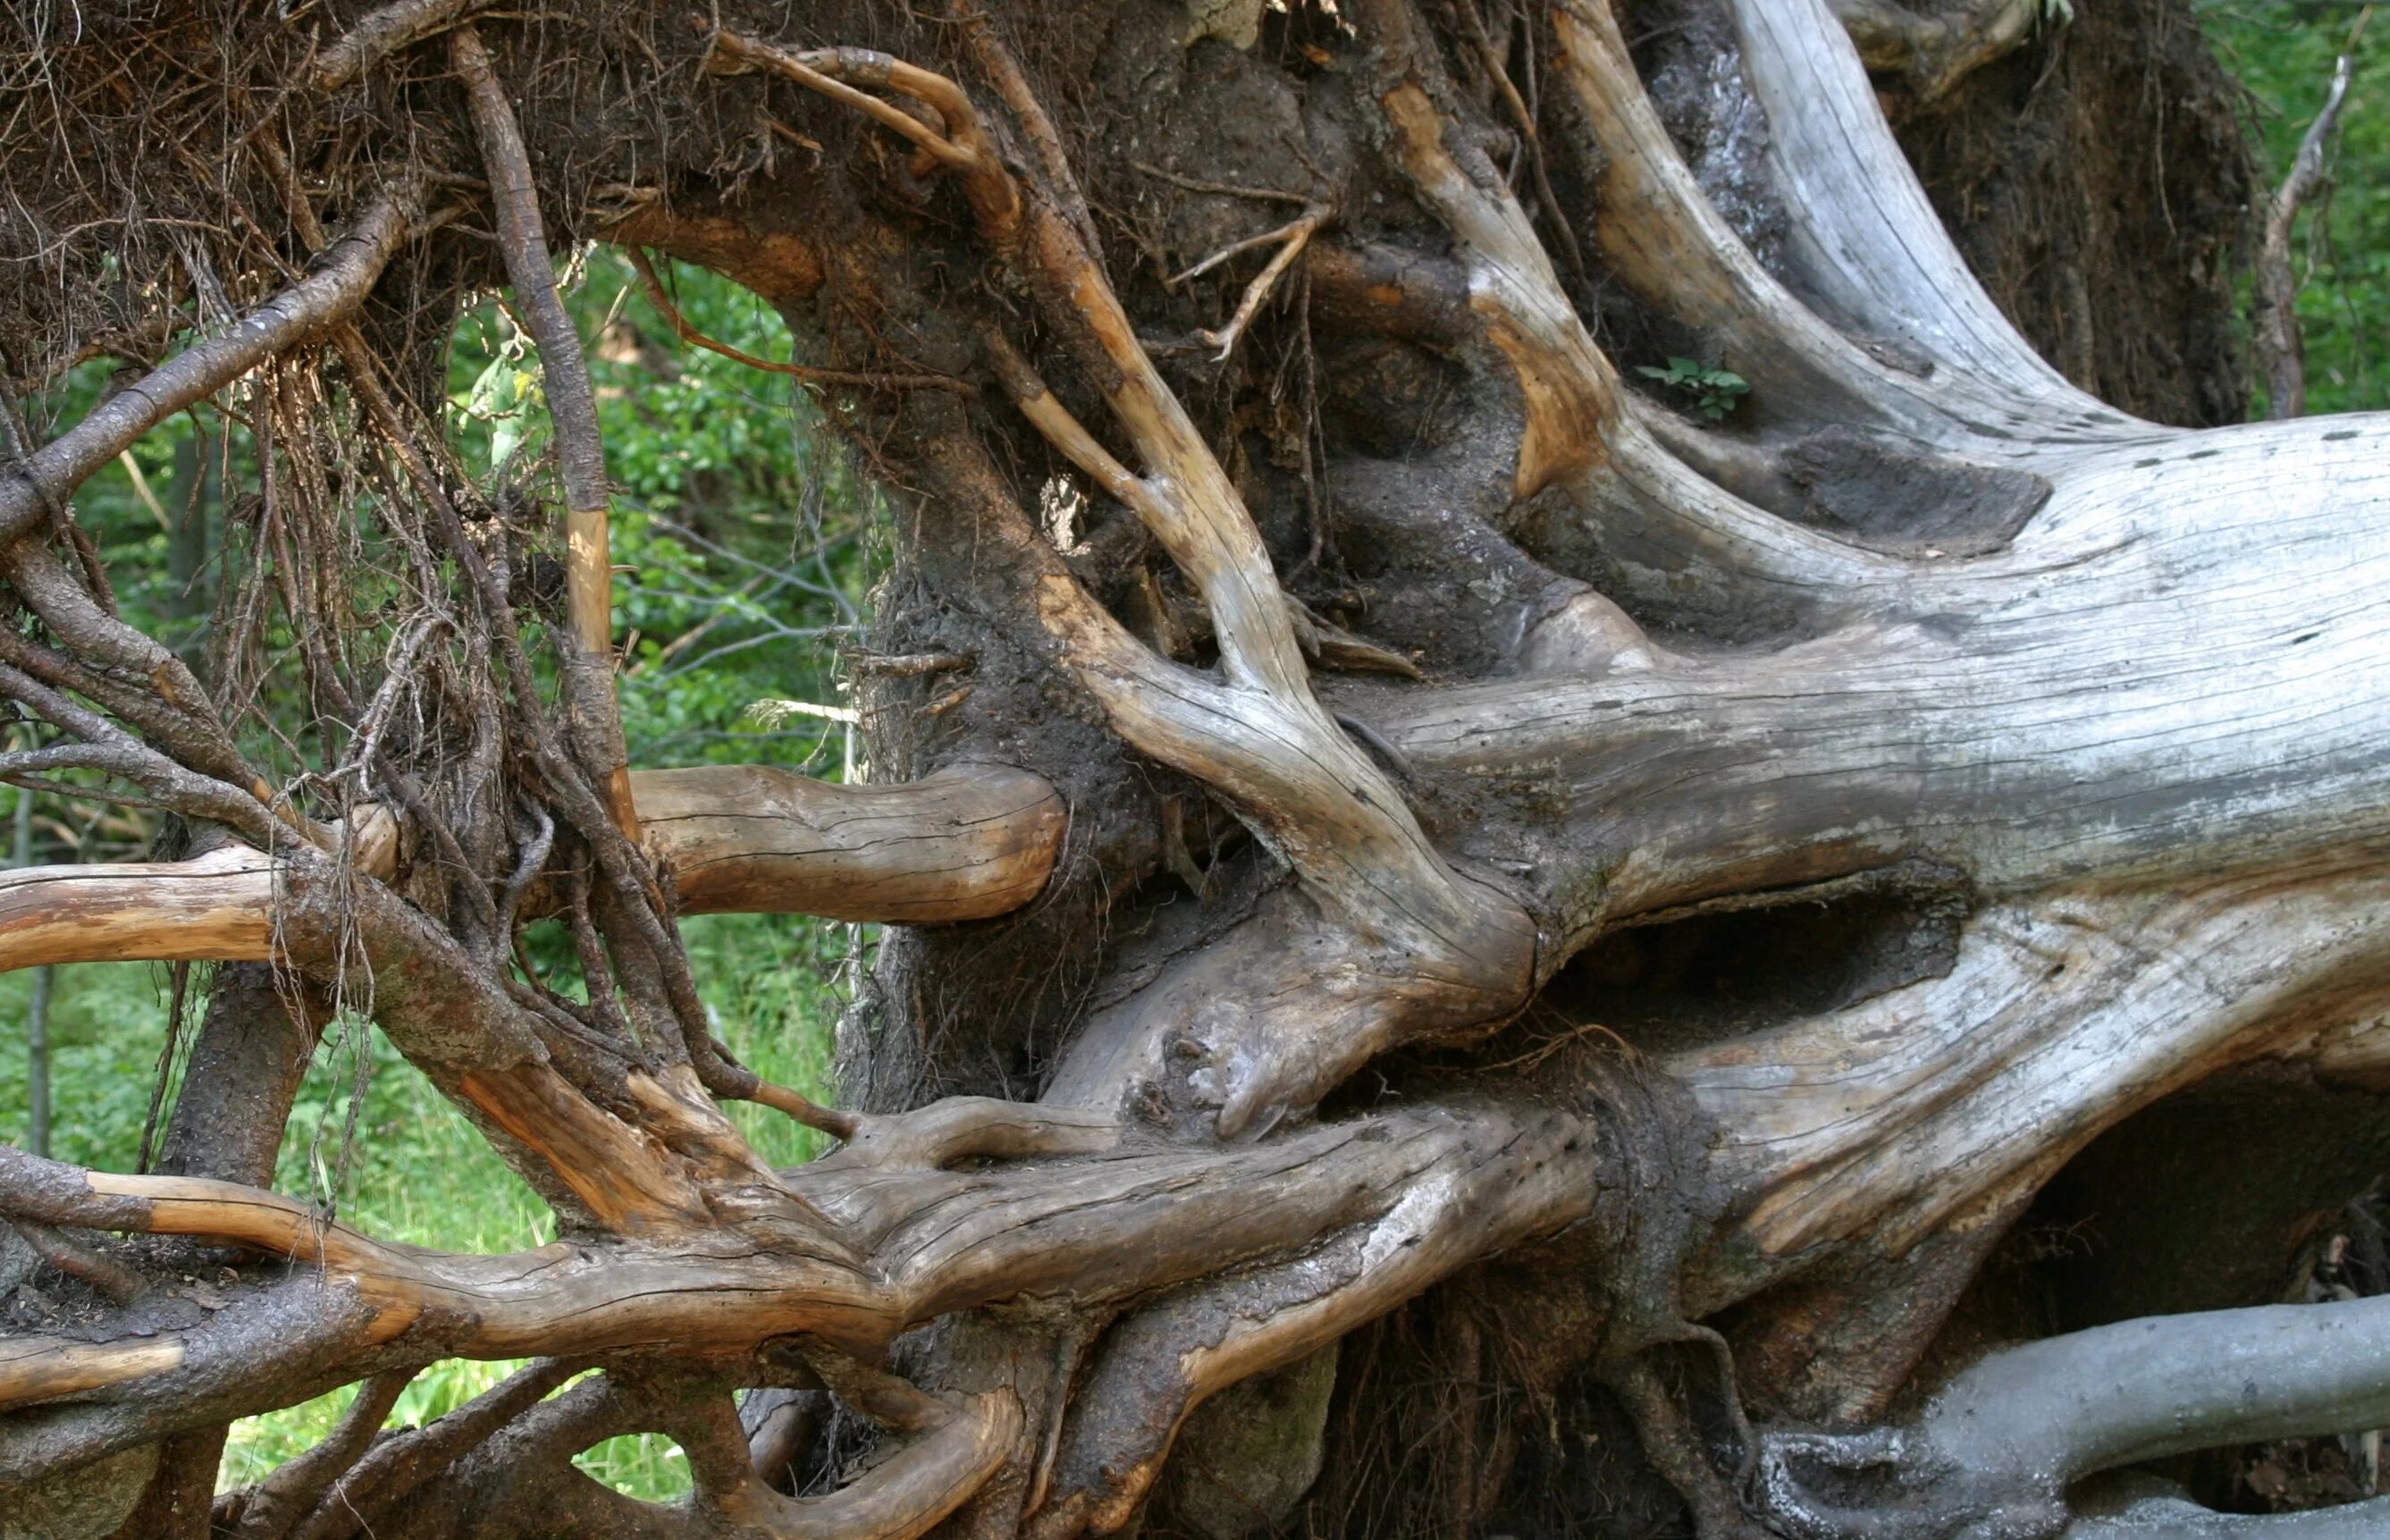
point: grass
(416, 1171)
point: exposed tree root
(2066, 678)
(1994, 1452)
(38, 483)
(1864, 237)
(901, 1243)
(1932, 53)
(965, 844)
(572, 408)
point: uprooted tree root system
(1546, 804)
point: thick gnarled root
(1992, 1456)
(902, 1243)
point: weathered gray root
(1992, 1456)
(2168, 1518)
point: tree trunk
(1494, 945)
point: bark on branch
(581, 453)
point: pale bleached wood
(36, 1368)
(967, 843)
(1997, 1450)
(2062, 1015)
(1586, 444)
(1660, 234)
(1862, 235)
(2171, 675)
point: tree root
(1257, 733)
(32, 489)
(904, 1244)
(969, 842)
(1992, 1456)
(1863, 235)
(1162, 1362)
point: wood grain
(969, 843)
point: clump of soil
(2100, 182)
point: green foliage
(418, 1172)
(748, 545)
(107, 1023)
(744, 534)
(2282, 51)
(1714, 392)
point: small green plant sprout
(505, 399)
(1715, 392)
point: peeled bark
(965, 844)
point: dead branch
(120, 1284)
(962, 1128)
(383, 32)
(1864, 235)
(967, 843)
(217, 906)
(952, 1450)
(1224, 189)
(2280, 350)
(1291, 238)
(963, 146)
(1660, 234)
(2050, 1004)
(1029, 116)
